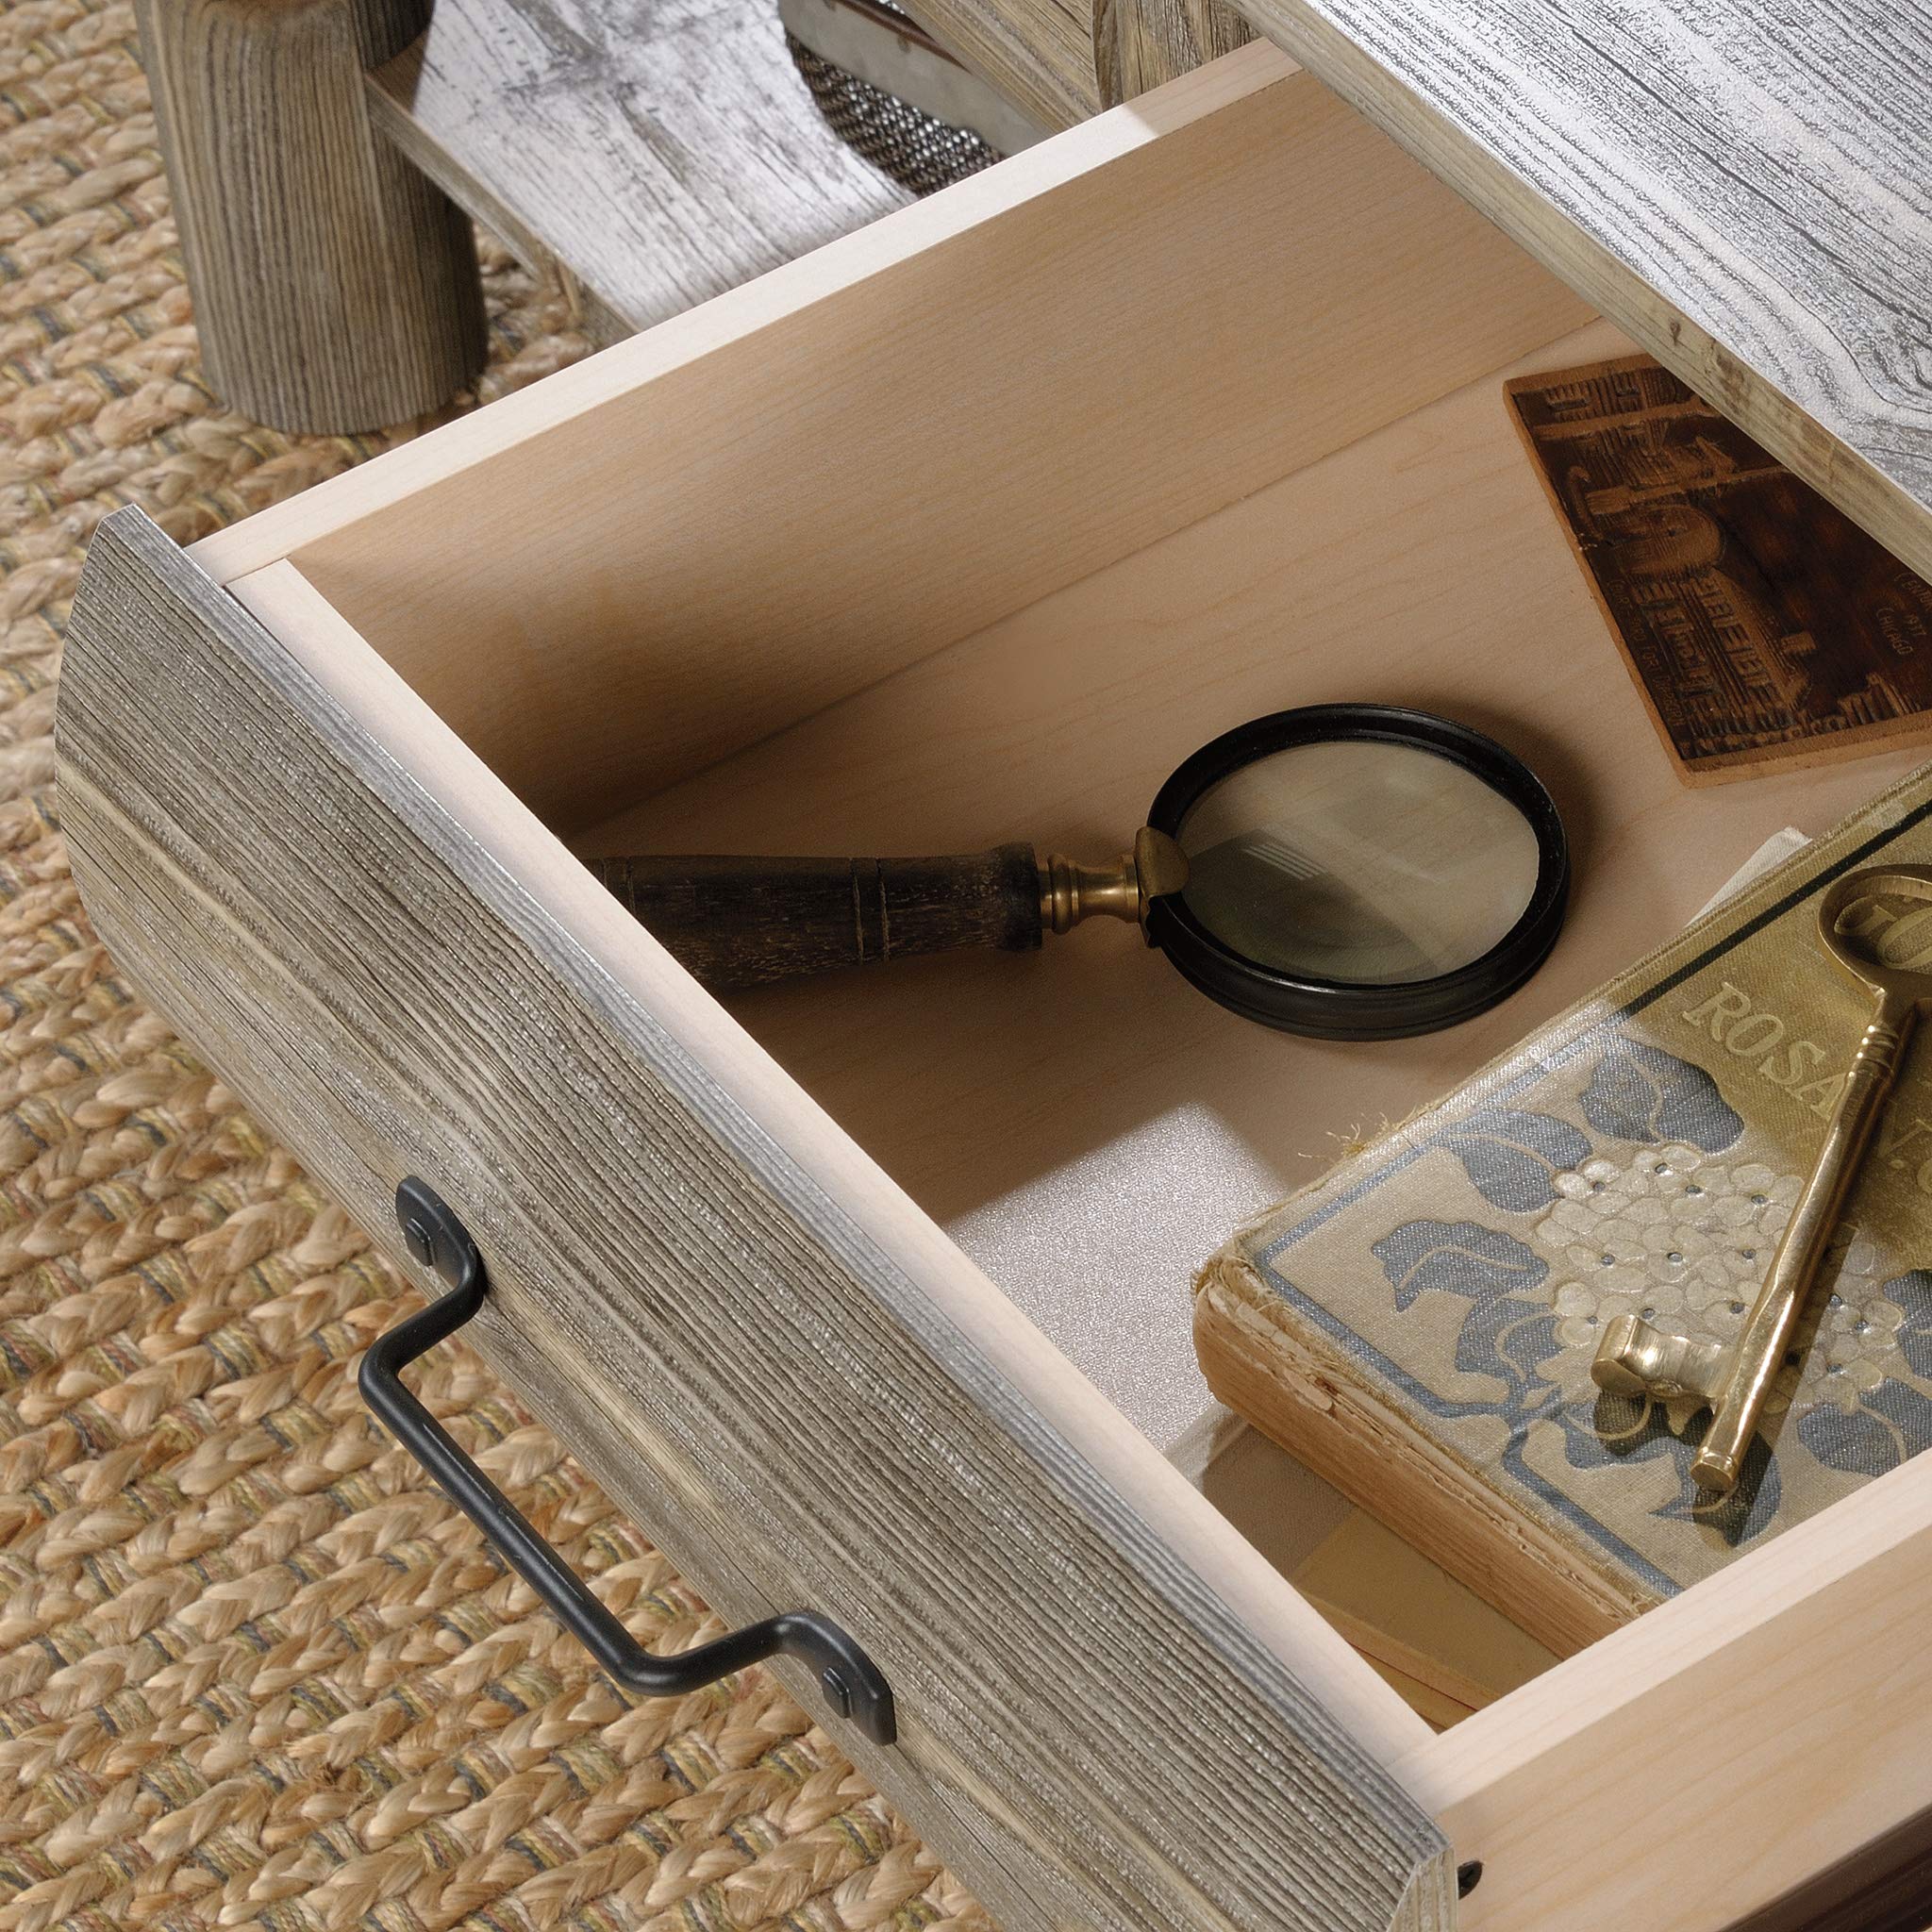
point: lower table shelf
(660, 154)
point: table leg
(335, 287)
(1140, 44)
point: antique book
(1418, 1327)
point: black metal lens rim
(1335, 1009)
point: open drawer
(964, 529)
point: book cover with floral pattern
(1420, 1324)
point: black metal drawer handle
(853, 1684)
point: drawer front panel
(374, 943)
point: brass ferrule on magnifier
(1070, 892)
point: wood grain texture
(390, 90)
(702, 507)
(772, 1358)
(1040, 54)
(1419, 566)
(1415, 567)
(1792, 1683)
(734, 922)
(1743, 188)
(1887, 1886)
(952, 220)
(661, 151)
(1145, 44)
(335, 288)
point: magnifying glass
(1349, 871)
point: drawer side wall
(1792, 1688)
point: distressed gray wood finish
(345, 913)
(1040, 54)
(335, 288)
(661, 151)
(1144, 43)
(1746, 187)
(1064, 60)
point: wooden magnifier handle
(736, 923)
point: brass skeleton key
(1634, 1357)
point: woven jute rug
(253, 1670)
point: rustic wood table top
(1746, 187)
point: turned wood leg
(335, 288)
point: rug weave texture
(253, 1670)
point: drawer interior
(1086, 1126)
(967, 529)
(1087, 1122)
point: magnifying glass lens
(1359, 863)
